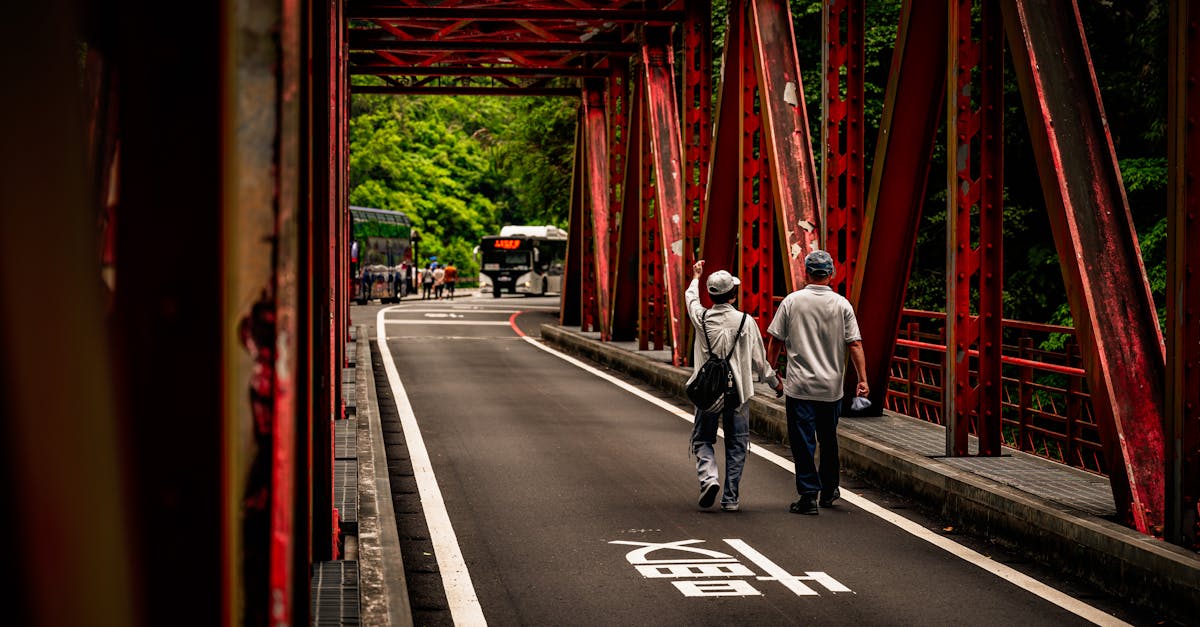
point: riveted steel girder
(1183, 280)
(666, 145)
(787, 138)
(596, 185)
(1107, 289)
(912, 108)
(974, 242)
(842, 169)
(627, 257)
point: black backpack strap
(704, 330)
(735, 338)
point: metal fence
(1046, 408)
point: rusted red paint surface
(1106, 282)
(842, 114)
(666, 144)
(718, 237)
(758, 221)
(627, 258)
(596, 185)
(913, 103)
(974, 242)
(787, 138)
(1183, 281)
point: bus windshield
(513, 260)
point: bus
(381, 256)
(523, 259)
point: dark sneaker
(806, 505)
(708, 495)
(828, 499)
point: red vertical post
(666, 144)
(721, 225)
(1106, 283)
(785, 136)
(596, 187)
(570, 306)
(842, 111)
(697, 121)
(627, 258)
(898, 177)
(618, 139)
(757, 224)
(650, 279)
(1183, 279)
(974, 182)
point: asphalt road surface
(532, 491)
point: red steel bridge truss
(670, 167)
(674, 162)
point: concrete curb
(383, 591)
(1140, 569)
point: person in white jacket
(748, 360)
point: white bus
(523, 259)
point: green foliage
(461, 167)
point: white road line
(460, 593)
(1025, 582)
(462, 323)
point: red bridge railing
(1046, 409)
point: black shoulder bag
(715, 380)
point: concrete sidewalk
(1052, 513)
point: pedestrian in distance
(450, 280)
(725, 331)
(427, 282)
(818, 328)
(439, 280)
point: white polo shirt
(815, 324)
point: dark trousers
(812, 424)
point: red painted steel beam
(392, 69)
(843, 166)
(788, 141)
(372, 11)
(596, 186)
(1102, 267)
(718, 244)
(1183, 279)
(359, 42)
(757, 221)
(697, 121)
(627, 257)
(913, 104)
(465, 91)
(617, 92)
(974, 242)
(662, 119)
(650, 275)
(570, 307)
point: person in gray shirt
(817, 326)
(747, 359)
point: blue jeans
(736, 422)
(813, 423)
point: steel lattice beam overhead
(515, 48)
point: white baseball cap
(721, 281)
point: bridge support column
(1183, 280)
(627, 258)
(666, 145)
(974, 241)
(596, 169)
(842, 136)
(893, 213)
(1107, 289)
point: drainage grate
(335, 593)
(345, 493)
